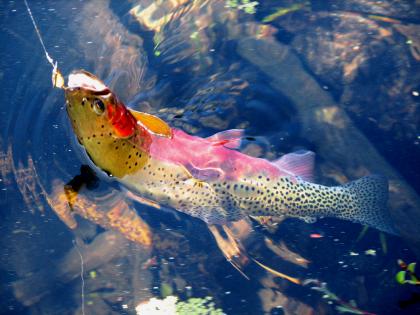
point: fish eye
(98, 106)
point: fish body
(206, 177)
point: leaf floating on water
(400, 277)
(411, 267)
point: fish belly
(173, 186)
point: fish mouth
(84, 80)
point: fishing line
(50, 60)
(57, 78)
(81, 276)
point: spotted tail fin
(370, 195)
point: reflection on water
(339, 79)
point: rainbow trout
(206, 177)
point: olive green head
(103, 125)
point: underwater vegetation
(172, 306)
(245, 5)
(408, 273)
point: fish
(209, 178)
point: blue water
(338, 78)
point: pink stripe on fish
(207, 161)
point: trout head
(111, 136)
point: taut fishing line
(57, 78)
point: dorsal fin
(228, 138)
(152, 123)
(300, 163)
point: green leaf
(411, 267)
(400, 277)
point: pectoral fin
(205, 174)
(229, 138)
(152, 123)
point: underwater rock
(325, 124)
(369, 65)
(105, 247)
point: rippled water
(338, 79)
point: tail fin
(370, 195)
